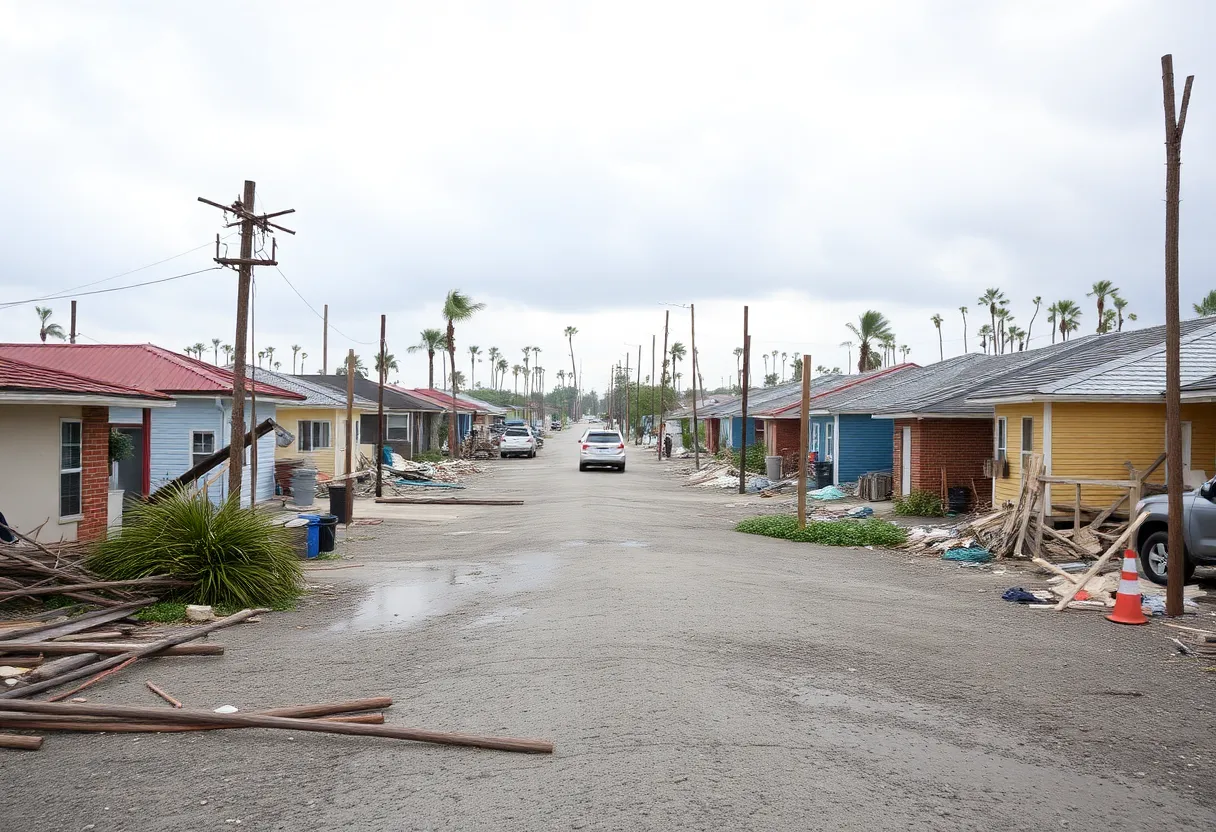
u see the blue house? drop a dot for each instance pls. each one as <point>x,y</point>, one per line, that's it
<point>168,441</point>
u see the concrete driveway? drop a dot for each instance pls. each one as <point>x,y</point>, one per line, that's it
<point>692,678</point>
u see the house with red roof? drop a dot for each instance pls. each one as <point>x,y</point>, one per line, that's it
<point>55,443</point>
<point>170,440</point>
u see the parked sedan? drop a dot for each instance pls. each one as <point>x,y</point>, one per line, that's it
<point>602,447</point>
<point>517,442</point>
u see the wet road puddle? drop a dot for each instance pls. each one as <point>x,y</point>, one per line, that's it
<point>435,589</point>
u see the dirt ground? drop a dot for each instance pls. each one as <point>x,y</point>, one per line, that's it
<point>691,678</point>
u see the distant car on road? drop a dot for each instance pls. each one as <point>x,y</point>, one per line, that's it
<point>602,447</point>
<point>1198,532</point>
<point>517,441</point>
<point>555,425</point>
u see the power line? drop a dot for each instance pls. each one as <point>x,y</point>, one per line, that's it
<point>61,296</point>
<point>318,314</point>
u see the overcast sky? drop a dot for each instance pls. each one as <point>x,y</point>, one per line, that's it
<point>579,164</point>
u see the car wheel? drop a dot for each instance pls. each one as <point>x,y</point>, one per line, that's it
<point>582,467</point>
<point>621,468</point>
<point>1153,559</point>
<point>504,456</point>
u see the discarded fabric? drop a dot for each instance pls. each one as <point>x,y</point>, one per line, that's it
<point>1155,605</point>
<point>1020,596</point>
<point>972,554</point>
<point>758,483</point>
<point>860,511</point>
<point>830,492</point>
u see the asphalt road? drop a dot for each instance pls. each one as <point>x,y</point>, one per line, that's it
<point>691,677</point>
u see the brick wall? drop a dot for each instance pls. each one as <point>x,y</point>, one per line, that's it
<point>958,445</point>
<point>95,478</point>
<point>781,437</point>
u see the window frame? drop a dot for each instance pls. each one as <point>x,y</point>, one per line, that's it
<point>313,424</point>
<point>829,440</point>
<point>389,427</point>
<point>194,455</point>
<point>78,471</point>
<point>815,436</point>
<point>1025,451</point>
<point>1002,437</point>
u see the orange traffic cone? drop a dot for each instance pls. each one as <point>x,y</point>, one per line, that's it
<point>1127,599</point>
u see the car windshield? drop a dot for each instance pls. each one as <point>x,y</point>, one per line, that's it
<point>517,432</point>
<point>600,437</point>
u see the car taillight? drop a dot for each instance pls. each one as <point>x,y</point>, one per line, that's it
<point>621,447</point>
<point>585,447</point>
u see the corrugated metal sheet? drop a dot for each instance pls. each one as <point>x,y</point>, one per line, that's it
<point>134,365</point>
<point>18,375</point>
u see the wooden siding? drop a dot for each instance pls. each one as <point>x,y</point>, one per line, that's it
<point>864,445</point>
<point>324,459</point>
<point>1008,488</point>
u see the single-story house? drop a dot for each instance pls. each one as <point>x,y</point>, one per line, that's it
<point>168,441</point>
<point>317,422</point>
<point>469,411</point>
<point>1098,405</point>
<point>410,422</point>
<point>55,443</point>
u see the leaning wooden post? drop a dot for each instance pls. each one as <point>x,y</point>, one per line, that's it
<point>747,367</point>
<point>804,424</point>
<point>350,436</point>
<point>1175,564</point>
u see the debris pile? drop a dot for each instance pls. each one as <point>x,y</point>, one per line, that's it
<point>404,476</point>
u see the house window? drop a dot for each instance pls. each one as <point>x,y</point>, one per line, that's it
<point>397,427</point>
<point>202,445</point>
<point>1001,437</point>
<point>815,436</point>
<point>70,468</point>
<point>313,435</point>
<point>829,440</point>
<point>1027,439</point>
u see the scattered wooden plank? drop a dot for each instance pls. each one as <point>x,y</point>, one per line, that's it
<point>105,648</point>
<point>86,724</point>
<point>449,501</point>
<point>163,694</point>
<point>528,746</point>
<point>20,742</point>
<point>1093,570</point>
<point>79,623</point>
<point>154,581</point>
<point>53,668</point>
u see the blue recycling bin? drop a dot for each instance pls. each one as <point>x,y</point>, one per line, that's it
<point>314,534</point>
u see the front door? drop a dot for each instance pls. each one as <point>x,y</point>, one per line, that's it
<point>131,471</point>
<point>905,462</point>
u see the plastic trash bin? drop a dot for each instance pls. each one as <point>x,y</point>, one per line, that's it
<point>772,467</point>
<point>328,533</point>
<point>303,486</point>
<point>823,473</point>
<point>337,501</point>
<point>314,534</point>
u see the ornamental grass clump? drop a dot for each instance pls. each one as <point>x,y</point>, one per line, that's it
<point>919,504</point>
<point>234,556</point>
<point>826,532</point>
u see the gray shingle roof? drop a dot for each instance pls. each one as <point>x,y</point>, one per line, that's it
<point>394,400</point>
<point>315,395</point>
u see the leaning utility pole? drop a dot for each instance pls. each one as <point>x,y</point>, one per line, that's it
<point>696,430</point>
<point>243,210</point>
<point>380,416</point>
<point>804,423</point>
<point>1174,124</point>
<point>663,385</point>
<point>747,369</point>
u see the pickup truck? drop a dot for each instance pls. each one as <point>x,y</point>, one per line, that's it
<point>1198,532</point>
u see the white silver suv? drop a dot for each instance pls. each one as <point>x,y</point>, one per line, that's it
<point>601,447</point>
<point>517,442</point>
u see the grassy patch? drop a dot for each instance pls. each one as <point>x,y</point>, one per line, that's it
<point>920,504</point>
<point>826,532</point>
<point>429,456</point>
<point>163,612</point>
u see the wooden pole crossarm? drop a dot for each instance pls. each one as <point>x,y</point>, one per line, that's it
<point>244,261</point>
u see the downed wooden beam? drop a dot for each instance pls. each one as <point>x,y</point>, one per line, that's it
<point>54,668</point>
<point>105,648</point>
<point>449,501</point>
<point>1051,567</point>
<point>1093,570</point>
<point>154,581</point>
<point>47,615</point>
<point>20,742</point>
<point>43,722</point>
<point>151,649</point>
<point>163,694</point>
<point>529,746</point>
<point>77,624</point>
<point>207,464</point>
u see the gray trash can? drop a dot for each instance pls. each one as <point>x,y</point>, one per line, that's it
<point>772,467</point>
<point>303,486</point>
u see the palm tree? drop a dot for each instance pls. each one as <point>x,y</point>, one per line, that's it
<point>389,363</point>
<point>993,299</point>
<point>941,350</point>
<point>261,355</point>
<point>527,373</point>
<point>303,355</point>
<point>474,351</point>
<point>277,365</point>
<point>430,341</point>
<point>1038,300</point>
<point>1207,306</point>
<point>1003,319</point>
<point>1068,317</point>
<point>570,332</point>
<point>986,334</point>
<point>872,327</point>
<point>888,348</point>
<point>1101,290</point>
<point>765,356</point>
<point>199,348</point>
<point>226,349</point>
<point>535,366</point>
<point>517,370</point>
<point>295,350</point>
<point>678,353</point>
<point>739,365</point>
<point>784,356</point>
<point>848,345</point>
<point>502,368</point>
<point>1016,336</point>
<point>215,350</point>
<point>963,310</point>
<point>270,355</point>
<point>456,307</point>
<point>904,350</point>
<point>1053,314</point>
<point>48,330</point>
<point>493,353</point>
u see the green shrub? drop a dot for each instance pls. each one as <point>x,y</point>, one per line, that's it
<point>919,504</point>
<point>122,446</point>
<point>233,555</point>
<point>755,458</point>
<point>429,456</point>
<point>868,532</point>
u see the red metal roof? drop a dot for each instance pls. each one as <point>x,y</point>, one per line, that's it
<point>440,397</point>
<point>19,376</point>
<point>136,366</point>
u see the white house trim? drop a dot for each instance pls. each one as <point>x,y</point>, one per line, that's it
<point>836,449</point>
<point>1047,453</point>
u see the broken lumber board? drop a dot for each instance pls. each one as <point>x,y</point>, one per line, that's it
<point>20,742</point>
<point>449,501</point>
<point>52,669</point>
<point>523,745</point>
<point>1093,570</point>
<point>122,658</point>
<point>154,581</point>
<point>77,624</point>
<point>47,615</point>
<point>105,648</point>
<point>210,462</point>
<point>91,725</point>
<point>163,694</point>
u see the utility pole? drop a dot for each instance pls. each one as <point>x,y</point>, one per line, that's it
<point>696,430</point>
<point>1174,125</point>
<point>325,341</point>
<point>350,436</point>
<point>380,416</point>
<point>804,423</point>
<point>72,336</point>
<point>653,411</point>
<point>747,368</point>
<point>638,436</point>
<point>627,425</point>
<point>243,211</point>
<point>663,385</point>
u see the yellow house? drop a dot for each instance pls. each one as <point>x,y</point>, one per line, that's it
<point>318,423</point>
<point>1095,407</point>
